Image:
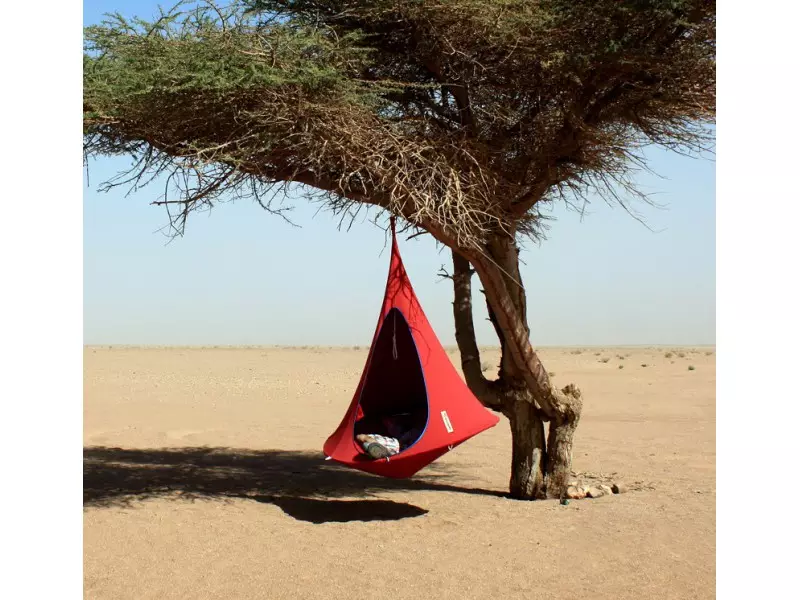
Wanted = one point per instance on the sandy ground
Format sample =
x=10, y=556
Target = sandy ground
x=204, y=479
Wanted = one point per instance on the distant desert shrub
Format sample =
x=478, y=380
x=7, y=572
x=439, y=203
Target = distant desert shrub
x=576, y=351
x=668, y=355
x=485, y=366
x=681, y=355
x=621, y=367
x=604, y=360
x=691, y=367
x=709, y=353
x=644, y=364
x=551, y=373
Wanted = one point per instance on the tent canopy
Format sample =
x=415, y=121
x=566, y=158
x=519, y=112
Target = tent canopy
x=407, y=373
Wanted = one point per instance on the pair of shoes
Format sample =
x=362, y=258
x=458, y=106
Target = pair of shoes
x=377, y=451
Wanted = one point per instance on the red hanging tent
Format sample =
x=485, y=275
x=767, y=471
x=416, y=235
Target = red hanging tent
x=408, y=372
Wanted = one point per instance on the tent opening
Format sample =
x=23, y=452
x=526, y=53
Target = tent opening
x=394, y=389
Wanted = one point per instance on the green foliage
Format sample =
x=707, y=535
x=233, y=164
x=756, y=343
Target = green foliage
x=191, y=55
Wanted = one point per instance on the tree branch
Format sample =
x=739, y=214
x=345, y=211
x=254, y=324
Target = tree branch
x=465, y=334
x=559, y=406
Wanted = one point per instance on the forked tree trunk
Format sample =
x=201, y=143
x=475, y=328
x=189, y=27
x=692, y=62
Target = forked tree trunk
x=522, y=392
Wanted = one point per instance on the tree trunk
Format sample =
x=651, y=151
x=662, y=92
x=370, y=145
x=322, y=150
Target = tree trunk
x=523, y=391
x=527, y=450
x=559, y=447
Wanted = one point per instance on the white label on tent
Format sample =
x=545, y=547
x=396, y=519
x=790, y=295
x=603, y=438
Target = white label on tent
x=447, y=424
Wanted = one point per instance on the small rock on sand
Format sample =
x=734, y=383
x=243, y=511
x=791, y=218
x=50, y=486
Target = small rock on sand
x=594, y=492
x=619, y=488
x=606, y=489
x=575, y=492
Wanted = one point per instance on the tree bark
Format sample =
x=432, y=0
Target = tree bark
x=559, y=448
x=523, y=391
x=561, y=408
x=508, y=394
x=527, y=450
x=465, y=334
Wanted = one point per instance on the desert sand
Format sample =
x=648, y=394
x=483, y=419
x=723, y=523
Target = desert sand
x=204, y=479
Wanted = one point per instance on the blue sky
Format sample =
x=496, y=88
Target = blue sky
x=241, y=276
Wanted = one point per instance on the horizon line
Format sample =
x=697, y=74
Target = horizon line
x=366, y=346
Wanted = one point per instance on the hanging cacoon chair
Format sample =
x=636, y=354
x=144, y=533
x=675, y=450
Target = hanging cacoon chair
x=407, y=373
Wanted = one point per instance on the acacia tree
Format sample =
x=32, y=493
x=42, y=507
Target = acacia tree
x=462, y=117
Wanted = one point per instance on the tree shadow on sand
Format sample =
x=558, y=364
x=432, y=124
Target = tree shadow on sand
x=302, y=484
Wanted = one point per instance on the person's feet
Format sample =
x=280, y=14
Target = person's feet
x=377, y=451
x=373, y=447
